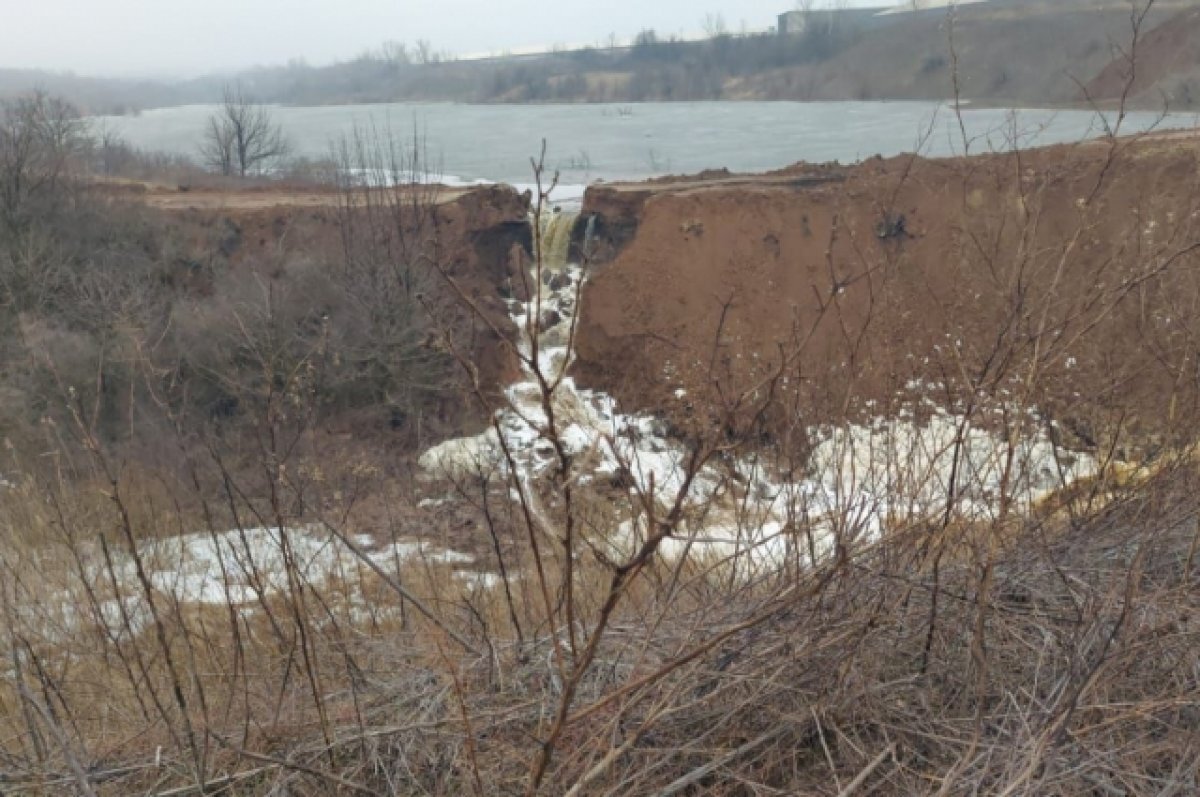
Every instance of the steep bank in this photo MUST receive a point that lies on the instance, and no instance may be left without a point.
(941, 277)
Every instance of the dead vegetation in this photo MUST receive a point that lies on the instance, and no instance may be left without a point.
(1022, 651)
(958, 599)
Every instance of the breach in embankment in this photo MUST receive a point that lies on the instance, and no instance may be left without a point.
(887, 344)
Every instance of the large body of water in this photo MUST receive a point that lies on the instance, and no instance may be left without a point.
(608, 142)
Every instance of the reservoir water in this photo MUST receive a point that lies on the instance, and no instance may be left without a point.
(607, 142)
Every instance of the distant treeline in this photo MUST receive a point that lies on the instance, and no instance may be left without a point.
(1008, 52)
(651, 68)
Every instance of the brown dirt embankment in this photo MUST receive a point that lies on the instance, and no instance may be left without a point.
(483, 239)
(1069, 267)
(234, 196)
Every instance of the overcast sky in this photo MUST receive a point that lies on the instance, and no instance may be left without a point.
(188, 37)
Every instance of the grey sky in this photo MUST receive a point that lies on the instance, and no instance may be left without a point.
(185, 37)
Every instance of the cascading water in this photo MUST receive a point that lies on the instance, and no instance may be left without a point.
(556, 229)
(589, 235)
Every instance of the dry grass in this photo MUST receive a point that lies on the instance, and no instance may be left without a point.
(1036, 647)
(1058, 659)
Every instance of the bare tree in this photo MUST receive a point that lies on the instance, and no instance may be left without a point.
(242, 137)
(395, 53)
(715, 25)
(39, 135)
(425, 52)
(807, 15)
(389, 191)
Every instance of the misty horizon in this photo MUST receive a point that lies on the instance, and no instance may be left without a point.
(135, 39)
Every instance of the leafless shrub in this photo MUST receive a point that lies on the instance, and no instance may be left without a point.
(748, 606)
(40, 136)
(1029, 649)
(391, 223)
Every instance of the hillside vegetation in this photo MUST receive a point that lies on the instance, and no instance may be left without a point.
(1168, 66)
(1009, 52)
(843, 480)
(840, 481)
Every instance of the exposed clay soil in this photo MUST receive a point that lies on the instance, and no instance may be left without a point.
(235, 198)
(946, 272)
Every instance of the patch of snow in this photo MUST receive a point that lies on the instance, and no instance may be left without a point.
(242, 566)
(405, 551)
(238, 568)
(479, 581)
(463, 456)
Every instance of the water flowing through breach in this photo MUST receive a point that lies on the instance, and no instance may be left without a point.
(556, 229)
(862, 478)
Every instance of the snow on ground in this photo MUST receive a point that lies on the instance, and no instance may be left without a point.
(240, 568)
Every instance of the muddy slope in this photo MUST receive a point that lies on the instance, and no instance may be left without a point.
(901, 275)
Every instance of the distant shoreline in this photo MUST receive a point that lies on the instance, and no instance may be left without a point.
(967, 105)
